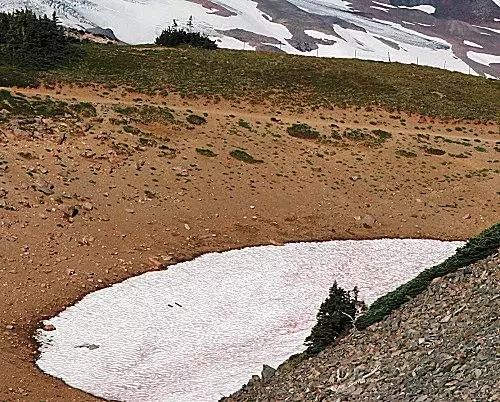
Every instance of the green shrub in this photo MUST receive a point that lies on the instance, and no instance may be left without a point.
(405, 153)
(335, 317)
(206, 152)
(477, 248)
(244, 157)
(244, 124)
(302, 130)
(383, 135)
(197, 120)
(17, 79)
(434, 151)
(174, 36)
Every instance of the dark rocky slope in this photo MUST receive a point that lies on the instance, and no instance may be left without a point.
(442, 346)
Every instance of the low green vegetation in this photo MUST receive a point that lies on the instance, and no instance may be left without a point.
(302, 130)
(434, 151)
(21, 106)
(195, 119)
(405, 153)
(244, 156)
(244, 124)
(477, 248)
(276, 78)
(206, 152)
(146, 113)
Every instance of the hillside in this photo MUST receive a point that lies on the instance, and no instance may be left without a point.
(441, 346)
(456, 35)
(137, 158)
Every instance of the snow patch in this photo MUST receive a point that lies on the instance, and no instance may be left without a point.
(472, 44)
(199, 330)
(423, 7)
(484, 58)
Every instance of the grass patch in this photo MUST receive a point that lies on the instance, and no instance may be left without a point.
(278, 78)
(244, 156)
(477, 248)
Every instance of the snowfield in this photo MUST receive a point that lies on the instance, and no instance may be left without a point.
(199, 330)
(356, 34)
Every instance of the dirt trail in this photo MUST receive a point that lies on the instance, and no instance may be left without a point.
(105, 204)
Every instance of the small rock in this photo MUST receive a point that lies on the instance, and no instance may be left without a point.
(187, 227)
(130, 211)
(87, 206)
(49, 327)
(368, 221)
(445, 319)
(9, 327)
(267, 372)
(466, 216)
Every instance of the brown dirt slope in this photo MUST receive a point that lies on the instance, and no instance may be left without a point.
(99, 185)
(442, 346)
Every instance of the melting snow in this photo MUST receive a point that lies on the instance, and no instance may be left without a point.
(484, 58)
(199, 330)
(423, 7)
(469, 43)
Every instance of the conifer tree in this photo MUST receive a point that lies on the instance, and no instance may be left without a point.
(32, 41)
(335, 316)
(174, 36)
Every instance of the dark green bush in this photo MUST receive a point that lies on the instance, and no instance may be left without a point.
(197, 120)
(335, 317)
(476, 249)
(405, 153)
(206, 152)
(434, 151)
(244, 157)
(174, 36)
(17, 79)
(302, 130)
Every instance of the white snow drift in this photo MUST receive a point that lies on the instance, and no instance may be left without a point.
(199, 330)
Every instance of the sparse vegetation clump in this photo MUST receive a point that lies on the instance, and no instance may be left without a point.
(244, 124)
(434, 151)
(405, 153)
(244, 156)
(302, 130)
(206, 152)
(196, 120)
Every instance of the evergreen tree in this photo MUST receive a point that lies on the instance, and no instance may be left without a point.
(335, 316)
(175, 36)
(32, 41)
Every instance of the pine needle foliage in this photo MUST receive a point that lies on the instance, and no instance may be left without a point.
(27, 40)
(335, 317)
(175, 36)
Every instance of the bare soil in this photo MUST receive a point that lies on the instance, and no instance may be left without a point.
(85, 204)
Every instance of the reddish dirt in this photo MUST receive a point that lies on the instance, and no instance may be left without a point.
(150, 204)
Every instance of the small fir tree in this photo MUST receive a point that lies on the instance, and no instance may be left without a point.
(336, 315)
